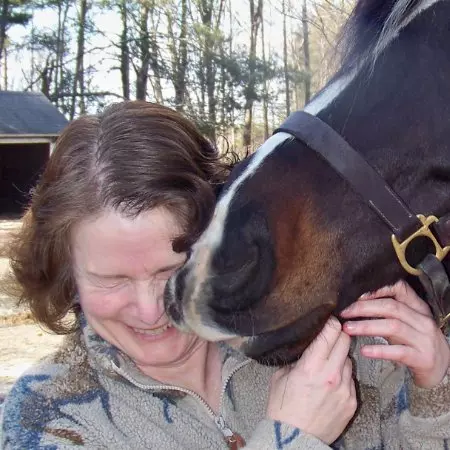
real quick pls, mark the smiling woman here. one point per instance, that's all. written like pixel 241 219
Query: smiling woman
pixel 123 197
pixel 121 267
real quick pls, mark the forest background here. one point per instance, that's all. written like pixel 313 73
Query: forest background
pixel 236 67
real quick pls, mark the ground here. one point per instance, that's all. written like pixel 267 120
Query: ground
pixel 20 347
pixel 22 343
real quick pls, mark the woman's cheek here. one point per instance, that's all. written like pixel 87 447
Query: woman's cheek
pixel 104 303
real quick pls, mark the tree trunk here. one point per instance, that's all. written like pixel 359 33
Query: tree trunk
pixel 46 79
pixel 231 86
pixel 63 8
pixel 3 58
pixel 223 91
pixel 144 52
pixel 255 17
pixel 154 64
pixel 5 68
pixel 154 55
pixel 265 89
pixel 285 62
pixel 181 60
pixel 59 51
pixel 3 23
pixel 78 79
pixel 306 53
pixel 124 51
pixel 211 91
pixel 206 14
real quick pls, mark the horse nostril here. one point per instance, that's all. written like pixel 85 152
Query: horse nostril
pixel 174 313
pixel 173 296
pixel 239 288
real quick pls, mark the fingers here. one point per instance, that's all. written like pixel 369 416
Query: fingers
pixel 395 331
pixel 339 355
pixel 386 308
pixel 319 350
pixel 405 321
pixel 399 353
pixel 403 293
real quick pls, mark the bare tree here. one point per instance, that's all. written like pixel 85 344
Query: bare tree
pixel 4 14
pixel 306 52
pixel 12 12
pixel 124 50
pixel 265 88
pixel 5 68
pixel 143 45
pixel 63 7
pixel 78 89
pixel 285 61
pixel 255 22
pixel 155 58
pixel 211 16
pixel 178 47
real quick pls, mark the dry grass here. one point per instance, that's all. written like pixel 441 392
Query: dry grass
pixel 9 314
pixel 19 318
pixel 6 227
pixel 22 341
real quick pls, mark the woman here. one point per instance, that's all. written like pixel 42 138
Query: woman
pixel 124 195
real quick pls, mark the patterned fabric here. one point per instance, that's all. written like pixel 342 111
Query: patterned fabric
pixel 88 394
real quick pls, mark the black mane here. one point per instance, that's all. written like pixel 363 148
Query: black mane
pixel 369 21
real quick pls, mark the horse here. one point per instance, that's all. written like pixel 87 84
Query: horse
pixel 292 241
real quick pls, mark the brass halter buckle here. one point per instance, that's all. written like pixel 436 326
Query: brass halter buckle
pixel 424 231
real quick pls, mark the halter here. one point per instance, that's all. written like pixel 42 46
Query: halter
pixel 404 225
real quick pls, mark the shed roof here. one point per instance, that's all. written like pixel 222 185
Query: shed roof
pixel 29 113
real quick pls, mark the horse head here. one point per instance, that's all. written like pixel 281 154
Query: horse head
pixel 291 242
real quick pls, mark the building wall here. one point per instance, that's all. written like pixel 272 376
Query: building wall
pixel 20 167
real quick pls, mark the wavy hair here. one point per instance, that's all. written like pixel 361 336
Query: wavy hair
pixel 133 157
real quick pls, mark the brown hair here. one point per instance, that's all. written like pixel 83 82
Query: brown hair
pixel 133 157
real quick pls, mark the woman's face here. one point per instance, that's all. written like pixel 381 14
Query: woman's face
pixel 121 268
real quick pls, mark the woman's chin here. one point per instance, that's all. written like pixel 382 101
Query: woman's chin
pixel 169 348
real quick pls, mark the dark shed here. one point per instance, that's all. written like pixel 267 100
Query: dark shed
pixel 29 127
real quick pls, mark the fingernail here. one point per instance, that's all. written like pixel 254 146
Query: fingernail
pixel 349 326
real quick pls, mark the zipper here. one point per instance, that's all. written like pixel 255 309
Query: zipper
pixel 218 419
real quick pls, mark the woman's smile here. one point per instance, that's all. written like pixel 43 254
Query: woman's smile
pixel 162 331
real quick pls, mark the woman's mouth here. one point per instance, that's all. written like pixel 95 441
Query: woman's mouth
pixel 152 331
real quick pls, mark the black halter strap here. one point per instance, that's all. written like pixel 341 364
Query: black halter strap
pixel 367 182
pixel 364 179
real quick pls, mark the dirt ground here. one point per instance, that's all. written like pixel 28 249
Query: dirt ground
pixel 20 347
pixel 22 343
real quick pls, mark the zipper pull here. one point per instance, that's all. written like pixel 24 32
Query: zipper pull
pixel 234 440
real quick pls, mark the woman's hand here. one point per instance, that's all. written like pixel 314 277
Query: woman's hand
pixel 406 322
pixel 317 394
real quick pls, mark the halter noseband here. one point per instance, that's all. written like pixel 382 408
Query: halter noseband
pixel 404 225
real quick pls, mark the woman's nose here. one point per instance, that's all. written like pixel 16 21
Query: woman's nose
pixel 149 302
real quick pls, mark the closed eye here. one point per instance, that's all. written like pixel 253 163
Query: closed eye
pixel 108 282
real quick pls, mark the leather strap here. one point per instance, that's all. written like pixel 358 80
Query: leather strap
pixel 435 280
pixel 442 230
pixel 364 179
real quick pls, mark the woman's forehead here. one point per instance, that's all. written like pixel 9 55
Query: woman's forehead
pixel 114 241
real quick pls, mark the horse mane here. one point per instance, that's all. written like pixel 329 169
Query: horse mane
pixel 372 26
